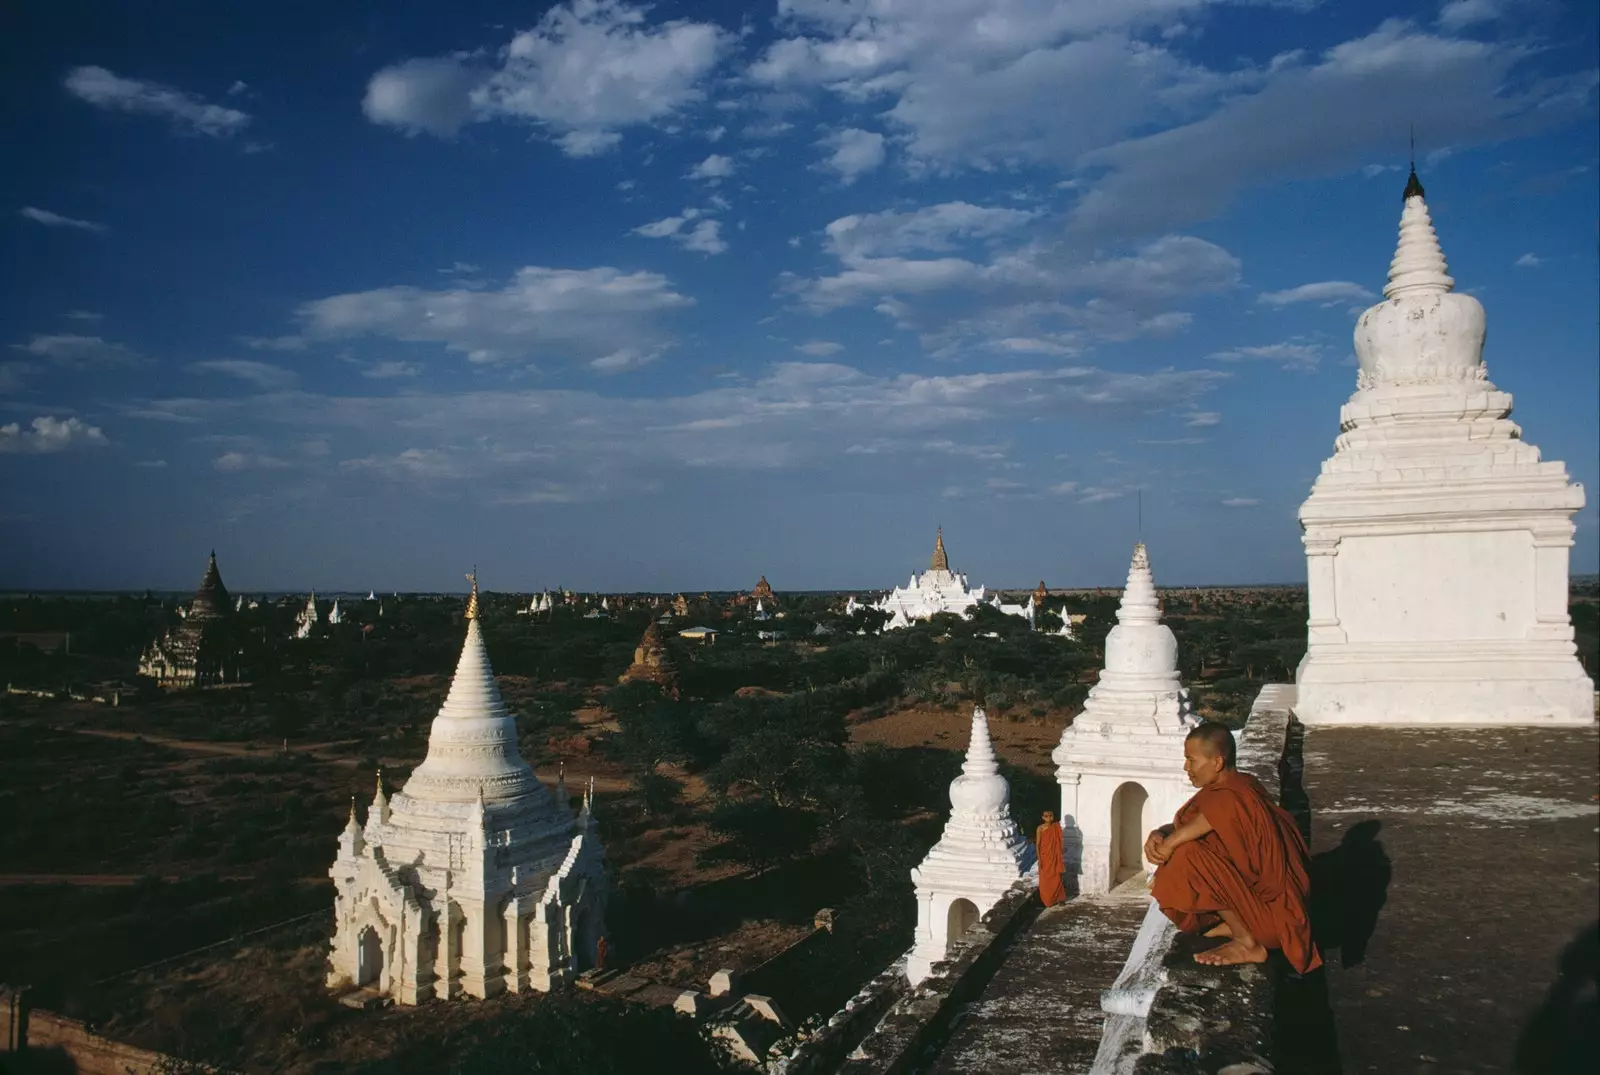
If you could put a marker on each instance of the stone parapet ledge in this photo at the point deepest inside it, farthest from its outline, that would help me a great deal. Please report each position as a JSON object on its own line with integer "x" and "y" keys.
{"x": 1214, "y": 1019}
{"x": 857, "y": 1041}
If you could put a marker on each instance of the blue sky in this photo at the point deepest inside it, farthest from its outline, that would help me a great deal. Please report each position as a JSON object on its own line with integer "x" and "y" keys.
{"x": 670, "y": 296}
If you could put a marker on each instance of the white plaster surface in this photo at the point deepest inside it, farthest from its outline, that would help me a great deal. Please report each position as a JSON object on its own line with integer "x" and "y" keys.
{"x": 1437, "y": 540}
{"x": 1129, "y": 738}
{"x": 981, "y": 854}
{"x": 474, "y": 879}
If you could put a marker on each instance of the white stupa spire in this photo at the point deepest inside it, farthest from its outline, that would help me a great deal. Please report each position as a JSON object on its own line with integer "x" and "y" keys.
{"x": 1139, "y": 606}
{"x": 472, "y": 747}
{"x": 1418, "y": 263}
{"x": 379, "y": 813}
{"x": 980, "y": 855}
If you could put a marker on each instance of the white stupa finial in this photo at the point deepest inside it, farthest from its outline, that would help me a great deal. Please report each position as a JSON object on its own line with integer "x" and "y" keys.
{"x": 980, "y": 760}
{"x": 1139, "y": 604}
{"x": 380, "y": 803}
{"x": 1418, "y": 263}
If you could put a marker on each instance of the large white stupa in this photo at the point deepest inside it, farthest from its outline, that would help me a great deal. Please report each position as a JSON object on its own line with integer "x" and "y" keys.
{"x": 473, "y": 879}
{"x": 981, "y": 854}
{"x": 1120, "y": 762}
{"x": 1436, "y": 539}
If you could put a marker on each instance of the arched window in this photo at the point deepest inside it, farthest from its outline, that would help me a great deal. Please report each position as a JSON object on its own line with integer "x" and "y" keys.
{"x": 962, "y": 917}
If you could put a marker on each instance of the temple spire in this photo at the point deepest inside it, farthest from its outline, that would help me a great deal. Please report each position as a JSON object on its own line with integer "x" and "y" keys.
{"x": 472, "y": 601}
{"x": 1418, "y": 263}
{"x": 1139, "y": 604}
{"x": 939, "y": 562}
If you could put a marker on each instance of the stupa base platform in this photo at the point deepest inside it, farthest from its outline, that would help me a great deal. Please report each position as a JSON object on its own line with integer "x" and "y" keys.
{"x": 1444, "y": 691}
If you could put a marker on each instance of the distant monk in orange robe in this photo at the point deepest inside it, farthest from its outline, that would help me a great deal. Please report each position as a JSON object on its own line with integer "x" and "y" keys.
{"x": 1233, "y": 863}
{"x": 1047, "y": 841}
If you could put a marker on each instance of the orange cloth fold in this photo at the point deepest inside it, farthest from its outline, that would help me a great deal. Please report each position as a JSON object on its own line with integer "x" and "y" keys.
{"x": 1253, "y": 862}
{"x": 1047, "y": 841}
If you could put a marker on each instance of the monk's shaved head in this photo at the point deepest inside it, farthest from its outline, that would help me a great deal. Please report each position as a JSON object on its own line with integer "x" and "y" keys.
{"x": 1216, "y": 739}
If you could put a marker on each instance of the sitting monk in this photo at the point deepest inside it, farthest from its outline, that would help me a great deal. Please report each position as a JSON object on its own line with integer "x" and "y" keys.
{"x": 1233, "y": 862}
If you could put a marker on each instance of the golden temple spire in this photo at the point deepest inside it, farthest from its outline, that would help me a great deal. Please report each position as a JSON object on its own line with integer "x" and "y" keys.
{"x": 472, "y": 602}
{"x": 940, "y": 561}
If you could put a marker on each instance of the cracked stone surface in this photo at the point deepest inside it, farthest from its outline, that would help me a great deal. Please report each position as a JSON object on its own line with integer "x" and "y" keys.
{"x": 1041, "y": 1010}
{"x": 1469, "y": 855}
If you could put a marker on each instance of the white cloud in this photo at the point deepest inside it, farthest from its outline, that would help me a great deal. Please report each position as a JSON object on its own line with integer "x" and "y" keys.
{"x": 1203, "y": 419}
{"x": 84, "y": 315}
{"x": 56, "y": 220}
{"x": 802, "y": 416}
{"x": 582, "y": 313}
{"x": 587, "y": 70}
{"x": 1304, "y": 119}
{"x": 934, "y": 227}
{"x": 151, "y": 464}
{"x": 820, "y": 348}
{"x": 1529, "y": 261}
{"x": 1241, "y": 502}
{"x": 1304, "y": 356}
{"x": 427, "y": 96}
{"x": 390, "y": 370}
{"x": 186, "y": 112}
{"x": 273, "y": 343}
{"x": 78, "y": 352}
{"x": 232, "y": 462}
{"x": 1096, "y": 494}
{"x": 855, "y": 152}
{"x": 1063, "y": 488}
{"x": 261, "y": 374}
{"x": 1458, "y": 14}
{"x": 45, "y": 435}
{"x": 1326, "y": 293}
{"x": 703, "y": 237}
{"x": 713, "y": 169}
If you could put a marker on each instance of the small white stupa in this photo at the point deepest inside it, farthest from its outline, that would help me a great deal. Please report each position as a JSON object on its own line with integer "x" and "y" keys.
{"x": 334, "y": 615}
{"x": 473, "y": 879}
{"x": 1436, "y": 540}
{"x": 981, "y": 855}
{"x": 1120, "y": 763}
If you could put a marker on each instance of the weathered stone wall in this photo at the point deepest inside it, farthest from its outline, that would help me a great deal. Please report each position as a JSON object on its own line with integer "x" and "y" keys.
{"x": 856, "y": 1041}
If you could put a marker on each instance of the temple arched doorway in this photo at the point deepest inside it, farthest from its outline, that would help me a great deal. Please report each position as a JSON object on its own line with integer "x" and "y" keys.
{"x": 1127, "y": 831}
{"x": 585, "y": 935}
{"x": 369, "y": 957}
{"x": 963, "y": 915}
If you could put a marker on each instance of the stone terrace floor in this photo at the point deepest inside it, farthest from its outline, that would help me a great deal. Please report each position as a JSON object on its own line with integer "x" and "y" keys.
{"x": 1041, "y": 1010}
{"x": 1454, "y": 871}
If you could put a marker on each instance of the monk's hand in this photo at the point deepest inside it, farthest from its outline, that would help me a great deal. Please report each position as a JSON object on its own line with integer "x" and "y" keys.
{"x": 1152, "y": 848}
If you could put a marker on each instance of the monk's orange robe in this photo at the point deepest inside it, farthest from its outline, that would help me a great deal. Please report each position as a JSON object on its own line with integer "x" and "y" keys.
{"x": 1047, "y": 839}
{"x": 1253, "y": 862}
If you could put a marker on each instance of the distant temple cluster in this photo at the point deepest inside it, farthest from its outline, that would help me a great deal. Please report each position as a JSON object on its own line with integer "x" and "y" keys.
{"x": 939, "y": 589}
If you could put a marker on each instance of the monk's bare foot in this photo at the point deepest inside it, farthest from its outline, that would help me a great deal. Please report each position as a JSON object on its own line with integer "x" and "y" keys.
{"x": 1219, "y": 930}
{"x": 1233, "y": 953}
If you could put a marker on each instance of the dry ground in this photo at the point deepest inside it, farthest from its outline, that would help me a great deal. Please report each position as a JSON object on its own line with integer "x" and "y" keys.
{"x": 1024, "y": 741}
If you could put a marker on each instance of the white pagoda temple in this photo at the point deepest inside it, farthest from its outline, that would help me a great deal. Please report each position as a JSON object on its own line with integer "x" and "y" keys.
{"x": 981, "y": 854}
{"x": 1437, "y": 541}
{"x": 306, "y": 621}
{"x": 334, "y": 615}
{"x": 936, "y": 590}
{"x": 474, "y": 879}
{"x": 1120, "y": 762}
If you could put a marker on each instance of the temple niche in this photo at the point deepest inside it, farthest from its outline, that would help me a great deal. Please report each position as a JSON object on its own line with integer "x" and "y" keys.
{"x": 203, "y": 650}
{"x": 1437, "y": 541}
{"x": 474, "y": 879}
{"x": 980, "y": 855}
{"x": 1120, "y": 762}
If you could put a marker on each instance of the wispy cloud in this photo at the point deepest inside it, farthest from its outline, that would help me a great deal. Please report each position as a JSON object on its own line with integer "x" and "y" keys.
{"x": 1301, "y": 356}
{"x": 187, "y": 113}
{"x": 820, "y": 348}
{"x": 1240, "y": 502}
{"x": 713, "y": 169}
{"x": 1529, "y": 261}
{"x": 56, "y": 220}
{"x": 78, "y": 352}
{"x": 691, "y": 229}
{"x": 261, "y": 374}
{"x": 1325, "y": 293}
